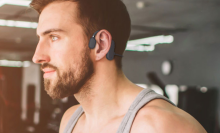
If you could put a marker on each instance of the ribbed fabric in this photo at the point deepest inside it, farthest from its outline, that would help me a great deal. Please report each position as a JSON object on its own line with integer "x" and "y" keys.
{"x": 74, "y": 118}
{"x": 144, "y": 97}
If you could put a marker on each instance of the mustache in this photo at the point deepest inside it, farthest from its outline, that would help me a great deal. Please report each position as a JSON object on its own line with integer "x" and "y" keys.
{"x": 47, "y": 65}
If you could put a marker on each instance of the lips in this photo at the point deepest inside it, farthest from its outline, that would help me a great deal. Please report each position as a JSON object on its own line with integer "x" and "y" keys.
{"x": 48, "y": 72}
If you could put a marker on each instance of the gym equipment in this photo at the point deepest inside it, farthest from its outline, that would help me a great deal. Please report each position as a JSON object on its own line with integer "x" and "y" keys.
{"x": 202, "y": 105}
{"x": 2, "y": 102}
{"x": 154, "y": 79}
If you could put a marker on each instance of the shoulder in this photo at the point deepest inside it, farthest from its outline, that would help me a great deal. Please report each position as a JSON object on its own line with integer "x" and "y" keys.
{"x": 161, "y": 116}
{"x": 66, "y": 117}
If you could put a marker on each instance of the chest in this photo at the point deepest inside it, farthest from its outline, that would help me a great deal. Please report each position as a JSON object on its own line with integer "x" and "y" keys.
{"x": 111, "y": 127}
{"x": 106, "y": 129}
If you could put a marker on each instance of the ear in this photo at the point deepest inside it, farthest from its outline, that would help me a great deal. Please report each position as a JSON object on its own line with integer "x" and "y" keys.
{"x": 103, "y": 44}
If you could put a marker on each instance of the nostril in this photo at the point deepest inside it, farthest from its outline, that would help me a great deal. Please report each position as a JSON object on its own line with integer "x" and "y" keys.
{"x": 41, "y": 61}
{"x": 38, "y": 59}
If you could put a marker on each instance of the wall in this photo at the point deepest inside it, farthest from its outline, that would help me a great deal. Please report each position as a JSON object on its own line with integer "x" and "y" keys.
{"x": 195, "y": 56}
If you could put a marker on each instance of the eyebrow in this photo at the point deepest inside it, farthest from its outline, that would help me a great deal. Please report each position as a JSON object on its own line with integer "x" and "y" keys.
{"x": 51, "y": 30}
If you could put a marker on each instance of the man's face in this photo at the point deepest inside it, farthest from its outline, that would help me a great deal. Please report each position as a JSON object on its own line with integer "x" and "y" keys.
{"x": 62, "y": 50}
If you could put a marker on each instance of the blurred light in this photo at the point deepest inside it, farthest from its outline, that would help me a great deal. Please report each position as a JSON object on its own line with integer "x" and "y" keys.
{"x": 19, "y": 24}
{"x": 64, "y": 100}
{"x": 142, "y": 85}
{"x": 26, "y": 63}
{"x": 7, "y": 63}
{"x": 36, "y": 117}
{"x": 183, "y": 88}
{"x": 15, "y": 2}
{"x": 140, "y": 5}
{"x": 172, "y": 91}
{"x": 148, "y": 44}
{"x": 30, "y": 129}
{"x": 57, "y": 110}
{"x": 203, "y": 89}
{"x": 157, "y": 89}
{"x": 166, "y": 67}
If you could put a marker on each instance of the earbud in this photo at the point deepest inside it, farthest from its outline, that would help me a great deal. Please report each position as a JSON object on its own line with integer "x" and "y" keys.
{"x": 92, "y": 41}
{"x": 111, "y": 53}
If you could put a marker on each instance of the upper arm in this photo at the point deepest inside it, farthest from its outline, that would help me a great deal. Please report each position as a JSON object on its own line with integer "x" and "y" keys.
{"x": 66, "y": 117}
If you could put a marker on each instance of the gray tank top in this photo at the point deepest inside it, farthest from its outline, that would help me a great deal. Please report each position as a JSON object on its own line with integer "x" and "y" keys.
{"x": 144, "y": 97}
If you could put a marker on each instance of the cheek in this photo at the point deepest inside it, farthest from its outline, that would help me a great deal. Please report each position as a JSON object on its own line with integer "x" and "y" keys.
{"x": 67, "y": 57}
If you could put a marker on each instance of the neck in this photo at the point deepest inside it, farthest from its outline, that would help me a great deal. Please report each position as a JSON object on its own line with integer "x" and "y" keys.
{"x": 108, "y": 95}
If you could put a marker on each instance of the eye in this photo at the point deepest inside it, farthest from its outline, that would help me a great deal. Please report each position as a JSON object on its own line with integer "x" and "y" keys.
{"x": 54, "y": 38}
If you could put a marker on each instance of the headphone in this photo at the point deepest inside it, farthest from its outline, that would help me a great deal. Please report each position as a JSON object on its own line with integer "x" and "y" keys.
{"x": 111, "y": 53}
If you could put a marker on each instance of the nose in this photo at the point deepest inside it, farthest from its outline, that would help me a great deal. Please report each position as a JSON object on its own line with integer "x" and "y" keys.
{"x": 41, "y": 54}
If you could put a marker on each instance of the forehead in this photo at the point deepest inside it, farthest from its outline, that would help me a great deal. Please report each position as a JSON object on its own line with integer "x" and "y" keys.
{"x": 61, "y": 15}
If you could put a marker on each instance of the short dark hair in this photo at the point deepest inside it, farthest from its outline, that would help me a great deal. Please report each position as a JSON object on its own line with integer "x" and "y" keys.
{"x": 95, "y": 15}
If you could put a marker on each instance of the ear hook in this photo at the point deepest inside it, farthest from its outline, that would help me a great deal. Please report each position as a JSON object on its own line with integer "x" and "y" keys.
{"x": 110, "y": 55}
{"x": 95, "y": 33}
{"x": 119, "y": 55}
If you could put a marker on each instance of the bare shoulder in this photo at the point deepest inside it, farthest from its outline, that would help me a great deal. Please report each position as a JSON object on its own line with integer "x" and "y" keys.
{"x": 159, "y": 116}
{"x": 66, "y": 117}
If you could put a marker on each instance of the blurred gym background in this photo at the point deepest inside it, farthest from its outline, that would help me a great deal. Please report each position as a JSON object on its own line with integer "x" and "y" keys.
{"x": 174, "y": 48}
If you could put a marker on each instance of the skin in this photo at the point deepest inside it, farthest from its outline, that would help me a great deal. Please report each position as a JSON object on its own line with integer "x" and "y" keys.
{"x": 110, "y": 92}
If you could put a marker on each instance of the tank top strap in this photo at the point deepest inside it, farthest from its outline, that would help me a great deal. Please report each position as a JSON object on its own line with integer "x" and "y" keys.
{"x": 73, "y": 120}
{"x": 144, "y": 97}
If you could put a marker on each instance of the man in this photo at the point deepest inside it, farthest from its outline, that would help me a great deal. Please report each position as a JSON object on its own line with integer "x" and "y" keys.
{"x": 109, "y": 102}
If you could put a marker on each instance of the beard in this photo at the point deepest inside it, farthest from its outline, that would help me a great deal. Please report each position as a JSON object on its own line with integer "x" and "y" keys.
{"x": 68, "y": 84}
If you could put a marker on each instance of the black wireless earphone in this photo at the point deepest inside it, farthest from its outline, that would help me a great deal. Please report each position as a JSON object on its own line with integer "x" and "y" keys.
{"x": 111, "y": 53}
